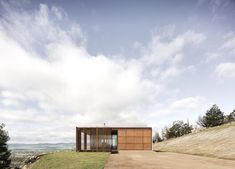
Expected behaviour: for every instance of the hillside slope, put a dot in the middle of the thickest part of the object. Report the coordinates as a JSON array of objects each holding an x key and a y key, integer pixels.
[{"x": 215, "y": 142}]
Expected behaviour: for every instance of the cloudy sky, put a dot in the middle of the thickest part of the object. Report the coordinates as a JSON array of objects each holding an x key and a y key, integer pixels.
[{"x": 125, "y": 63}]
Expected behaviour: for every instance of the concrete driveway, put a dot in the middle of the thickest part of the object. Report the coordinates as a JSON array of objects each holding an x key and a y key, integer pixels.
[{"x": 164, "y": 160}]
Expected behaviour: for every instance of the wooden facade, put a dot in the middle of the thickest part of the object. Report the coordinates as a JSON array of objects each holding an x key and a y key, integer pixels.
[{"x": 108, "y": 139}]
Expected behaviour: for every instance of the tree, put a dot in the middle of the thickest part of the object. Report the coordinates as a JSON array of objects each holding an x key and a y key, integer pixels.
[
  {"x": 165, "y": 133},
  {"x": 202, "y": 121},
  {"x": 230, "y": 117},
  {"x": 213, "y": 117},
  {"x": 5, "y": 154},
  {"x": 157, "y": 138},
  {"x": 178, "y": 128}
]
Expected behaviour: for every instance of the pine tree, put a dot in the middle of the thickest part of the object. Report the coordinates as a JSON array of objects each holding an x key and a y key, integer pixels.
[
  {"x": 213, "y": 117},
  {"x": 5, "y": 154}
]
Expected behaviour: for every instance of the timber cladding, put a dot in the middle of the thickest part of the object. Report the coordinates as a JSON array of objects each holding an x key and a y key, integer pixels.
[
  {"x": 109, "y": 139},
  {"x": 134, "y": 138}
]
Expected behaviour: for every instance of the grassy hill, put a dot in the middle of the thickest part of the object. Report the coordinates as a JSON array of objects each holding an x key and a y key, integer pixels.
[
  {"x": 216, "y": 142},
  {"x": 71, "y": 160}
]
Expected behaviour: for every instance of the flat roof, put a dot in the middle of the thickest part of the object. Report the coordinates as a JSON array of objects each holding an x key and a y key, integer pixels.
[{"x": 115, "y": 127}]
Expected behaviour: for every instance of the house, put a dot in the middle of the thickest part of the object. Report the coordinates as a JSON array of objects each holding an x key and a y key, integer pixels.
[{"x": 112, "y": 139}]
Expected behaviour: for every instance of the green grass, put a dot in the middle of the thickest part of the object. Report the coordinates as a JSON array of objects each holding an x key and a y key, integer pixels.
[{"x": 72, "y": 160}]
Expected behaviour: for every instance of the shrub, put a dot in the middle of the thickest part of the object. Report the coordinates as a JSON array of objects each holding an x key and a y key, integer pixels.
[
  {"x": 157, "y": 138},
  {"x": 202, "y": 121},
  {"x": 178, "y": 128},
  {"x": 230, "y": 117}
]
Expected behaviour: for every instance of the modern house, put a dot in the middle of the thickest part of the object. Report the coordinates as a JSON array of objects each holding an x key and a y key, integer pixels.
[{"x": 112, "y": 139}]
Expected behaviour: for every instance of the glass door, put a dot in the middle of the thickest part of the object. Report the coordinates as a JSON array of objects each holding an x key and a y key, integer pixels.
[{"x": 114, "y": 142}]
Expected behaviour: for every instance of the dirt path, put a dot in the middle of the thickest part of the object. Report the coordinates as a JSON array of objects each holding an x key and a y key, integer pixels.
[{"x": 164, "y": 160}]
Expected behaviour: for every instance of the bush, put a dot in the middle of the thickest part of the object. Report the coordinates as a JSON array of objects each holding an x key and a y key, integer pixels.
[
  {"x": 230, "y": 117},
  {"x": 5, "y": 154},
  {"x": 178, "y": 128},
  {"x": 213, "y": 117},
  {"x": 202, "y": 121},
  {"x": 157, "y": 138}
]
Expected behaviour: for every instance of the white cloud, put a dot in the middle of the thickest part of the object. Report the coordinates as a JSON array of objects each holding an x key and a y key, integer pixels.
[
  {"x": 167, "y": 52},
  {"x": 48, "y": 78},
  {"x": 160, "y": 51},
  {"x": 226, "y": 70},
  {"x": 224, "y": 50},
  {"x": 212, "y": 56},
  {"x": 217, "y": 8},
  {"x": 166, "y": 31},
  {"x": 59, "y": 12},
  {"x": 183, "y": 105},
  {"x": 64, "y": 84},
  {"x": 186, "y": 104},
  {"x": 229, "y": 45},
  {"x": 137, "y": 45},
  {"x": 10, "y": 102},
  {"x": 191, "y": 68},
  {"x": 11, "y": 95}
]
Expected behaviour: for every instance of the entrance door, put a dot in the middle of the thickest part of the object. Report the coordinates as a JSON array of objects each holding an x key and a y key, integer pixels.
[{"x": 114, "y": 140}]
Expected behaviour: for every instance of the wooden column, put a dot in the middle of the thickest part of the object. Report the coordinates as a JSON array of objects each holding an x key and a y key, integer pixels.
[
  {"x": 85, "y": 140},
  {"x": 97, "y": 139},
  {"x": 76, "y": 132},
  {"x": 78, "y": 139},
  {"x": 93, "y": 139}
]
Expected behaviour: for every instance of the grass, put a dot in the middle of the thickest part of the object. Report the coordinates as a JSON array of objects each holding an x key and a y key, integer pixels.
[
  {"x": 213, "y": 142},
  {"x": 72, "y": 160}
]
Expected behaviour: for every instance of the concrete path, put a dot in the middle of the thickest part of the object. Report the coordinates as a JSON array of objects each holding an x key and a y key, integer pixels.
[{"x": 164, "y": 160}]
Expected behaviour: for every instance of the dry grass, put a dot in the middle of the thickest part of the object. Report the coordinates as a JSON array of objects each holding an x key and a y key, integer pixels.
[{"x": 215, "y": 142}]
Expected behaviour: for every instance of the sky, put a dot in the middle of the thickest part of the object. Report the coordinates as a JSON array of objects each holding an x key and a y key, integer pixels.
[{"x": 124, "y": 63}]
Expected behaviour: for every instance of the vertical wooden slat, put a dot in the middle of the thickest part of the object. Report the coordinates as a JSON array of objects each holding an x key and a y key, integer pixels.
[
  {"x": 85, "y": 140},
  {"x": 97, "y": 139},
  {"x": 78, "y": 139},
  {"x": 91, "y": 140}
]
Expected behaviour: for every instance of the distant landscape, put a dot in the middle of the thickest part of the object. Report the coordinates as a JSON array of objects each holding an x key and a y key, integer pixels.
[
  {"x": 22, "y": 152},
  {"x": 41, "y": 146}
]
